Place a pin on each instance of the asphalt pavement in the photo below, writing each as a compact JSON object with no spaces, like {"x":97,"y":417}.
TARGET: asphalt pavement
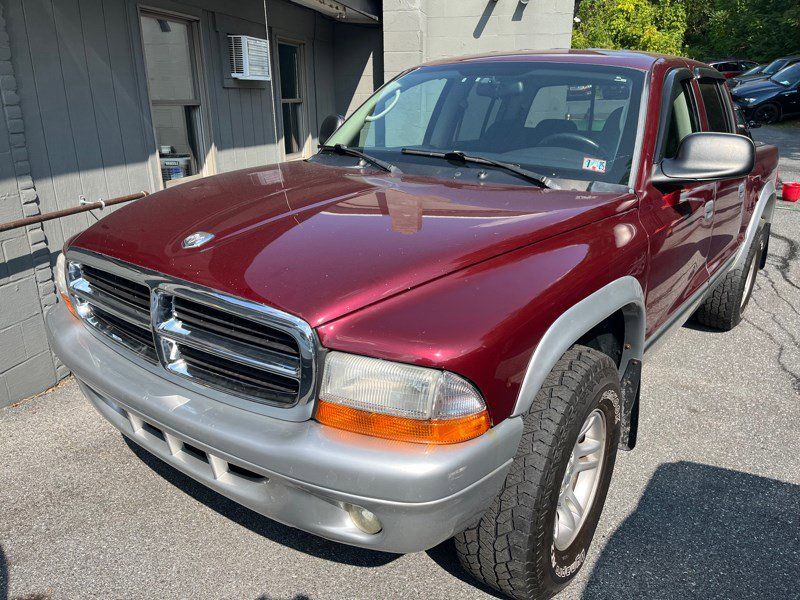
{"x":706,"y":506}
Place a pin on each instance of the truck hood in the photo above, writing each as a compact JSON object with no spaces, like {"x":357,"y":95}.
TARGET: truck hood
{"x":319,"y":241}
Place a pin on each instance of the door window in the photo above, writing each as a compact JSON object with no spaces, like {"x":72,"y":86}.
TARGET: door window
{"x":682,"y":118}
{"x":716,"y":110}
{"x":292,"y":102}
{"x":174,"y":98}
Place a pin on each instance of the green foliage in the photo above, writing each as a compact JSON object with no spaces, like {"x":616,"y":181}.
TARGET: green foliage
{"x":650,"y":25}
{"x":756,"y":29}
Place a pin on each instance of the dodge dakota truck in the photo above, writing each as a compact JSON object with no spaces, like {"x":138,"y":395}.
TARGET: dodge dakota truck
{"x":435,"y":327}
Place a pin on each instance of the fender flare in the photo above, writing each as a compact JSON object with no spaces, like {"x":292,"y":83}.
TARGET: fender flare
{"x":624,"y":294}
{"x":764,"y":207}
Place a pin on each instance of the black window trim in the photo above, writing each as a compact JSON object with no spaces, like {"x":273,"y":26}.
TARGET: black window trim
{"x":706,"y":75}
{"x":674,"y":77}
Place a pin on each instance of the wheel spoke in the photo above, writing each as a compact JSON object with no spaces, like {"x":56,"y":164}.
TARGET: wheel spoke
{"x":573,"y":500}
{"x":587,"y":447}
{"x":588,"y":465}
{"x":565,"y":517}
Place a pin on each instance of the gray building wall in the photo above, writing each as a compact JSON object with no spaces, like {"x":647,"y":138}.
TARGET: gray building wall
{"x":415,"y":31}
{"x":77,"y":122}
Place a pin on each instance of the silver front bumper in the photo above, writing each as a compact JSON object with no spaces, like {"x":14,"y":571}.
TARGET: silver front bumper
{"x":422,"y":494}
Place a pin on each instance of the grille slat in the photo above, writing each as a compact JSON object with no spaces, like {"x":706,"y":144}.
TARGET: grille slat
{"x":259,"y":383}
{"x":243,"y":330}
{"x":133,"y":294}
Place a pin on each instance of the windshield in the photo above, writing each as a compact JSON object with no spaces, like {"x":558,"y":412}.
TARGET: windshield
{"x":775,"y":66}
{"x":567,"y":121}
{"x":790,"y":76}
{"x":754,"y":71}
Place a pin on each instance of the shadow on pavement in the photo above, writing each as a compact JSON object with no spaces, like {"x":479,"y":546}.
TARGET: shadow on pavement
{"x":704,"y":532}
{"x":277,"y":532}
{"x":444,"y":555}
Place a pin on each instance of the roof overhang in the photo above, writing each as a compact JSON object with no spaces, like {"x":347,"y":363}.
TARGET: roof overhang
{"x":350,"y":11}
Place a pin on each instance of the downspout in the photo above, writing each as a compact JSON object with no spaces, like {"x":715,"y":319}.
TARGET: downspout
{"x":272,"y":86}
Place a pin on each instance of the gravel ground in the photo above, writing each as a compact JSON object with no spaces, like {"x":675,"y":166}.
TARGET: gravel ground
{"x":707,"y":505}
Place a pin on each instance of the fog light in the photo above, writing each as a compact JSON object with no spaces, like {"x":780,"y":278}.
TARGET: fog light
{"x":365,"y":520}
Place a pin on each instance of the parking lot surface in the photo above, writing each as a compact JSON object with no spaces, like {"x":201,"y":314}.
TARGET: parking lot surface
{"x":707,"y":505}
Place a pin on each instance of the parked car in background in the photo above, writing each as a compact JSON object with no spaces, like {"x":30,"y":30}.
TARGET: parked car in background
{"x":764,"y":71}
{"x":435,"y":327}
{"x":749,"y":74}
{"x":770,"y":100}
{"x":732,"y":67}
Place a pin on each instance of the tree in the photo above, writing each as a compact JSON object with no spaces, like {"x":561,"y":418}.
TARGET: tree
{"x":757,"y":29}
{"x":649,"y":25}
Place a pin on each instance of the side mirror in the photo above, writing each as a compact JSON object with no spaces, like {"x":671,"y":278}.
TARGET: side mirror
{"x":330,"y":124}
{"x":707,"y":156}
{"x":743,"y":130}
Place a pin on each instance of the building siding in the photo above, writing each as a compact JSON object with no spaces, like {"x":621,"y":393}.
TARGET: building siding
{"x":77,"y":123}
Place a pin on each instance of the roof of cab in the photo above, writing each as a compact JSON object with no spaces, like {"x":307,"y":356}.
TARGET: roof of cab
{"x":621,"y":58}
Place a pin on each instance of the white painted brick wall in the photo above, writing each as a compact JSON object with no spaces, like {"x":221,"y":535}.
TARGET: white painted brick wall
{"x":447,"y":28}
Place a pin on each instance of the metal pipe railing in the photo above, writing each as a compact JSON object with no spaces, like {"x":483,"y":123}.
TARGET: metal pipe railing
{"x":57,"y":214}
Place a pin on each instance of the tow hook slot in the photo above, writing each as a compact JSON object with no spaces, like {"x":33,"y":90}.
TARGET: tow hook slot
{"x":630,"y":386}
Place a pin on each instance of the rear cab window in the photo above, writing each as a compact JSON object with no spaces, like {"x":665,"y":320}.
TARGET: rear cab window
{"x":716,"y":108}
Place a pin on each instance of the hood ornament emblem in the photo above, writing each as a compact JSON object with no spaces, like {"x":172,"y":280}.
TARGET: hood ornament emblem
{"x":197,"y":239}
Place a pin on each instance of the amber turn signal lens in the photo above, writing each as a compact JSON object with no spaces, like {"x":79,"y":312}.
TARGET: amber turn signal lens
{"x":70,"y":306}
{"x":390,"y":427}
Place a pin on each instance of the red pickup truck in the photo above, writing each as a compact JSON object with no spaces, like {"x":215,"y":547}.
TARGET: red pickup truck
{"x":434,"y":327}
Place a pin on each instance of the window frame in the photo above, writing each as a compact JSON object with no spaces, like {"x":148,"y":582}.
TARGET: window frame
{"x":302,"y":100}
{"x":205,"y":160}
{"x":679,"y":76}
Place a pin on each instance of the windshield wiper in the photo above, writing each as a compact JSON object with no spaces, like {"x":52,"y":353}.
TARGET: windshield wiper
{"x":457,"y":156}
{"x":347,"y":151}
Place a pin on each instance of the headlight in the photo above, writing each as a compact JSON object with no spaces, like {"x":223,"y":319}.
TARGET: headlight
{"x":748,"y":100}
{"x":61,"y":282}
{"x":399,"y":401}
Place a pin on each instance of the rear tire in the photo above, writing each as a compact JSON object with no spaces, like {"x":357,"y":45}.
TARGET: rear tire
{"x":724,"y":307}
{"x":523,"y":546}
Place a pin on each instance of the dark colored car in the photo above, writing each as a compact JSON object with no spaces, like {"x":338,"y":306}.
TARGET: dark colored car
{"x":435,"y":327}
{"x":747,"y":75}
{"x":733,"y":67}
{"x":770,"y":100}
{"x":764,"y":71}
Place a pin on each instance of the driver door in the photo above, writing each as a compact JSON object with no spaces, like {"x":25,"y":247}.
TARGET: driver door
{"x":676,"y":221}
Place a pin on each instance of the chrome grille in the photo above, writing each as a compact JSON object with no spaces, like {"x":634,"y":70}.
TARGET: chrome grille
{"x":218,"y":341}
{"x":115,"y":306}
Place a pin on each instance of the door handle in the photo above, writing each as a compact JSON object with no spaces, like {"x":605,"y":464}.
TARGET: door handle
{"x":709,"y":210}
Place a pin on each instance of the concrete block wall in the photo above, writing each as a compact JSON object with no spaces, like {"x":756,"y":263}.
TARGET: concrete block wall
{"x":357,"y":64}
{"x":27,"y":365}
{"x":420,"y":30}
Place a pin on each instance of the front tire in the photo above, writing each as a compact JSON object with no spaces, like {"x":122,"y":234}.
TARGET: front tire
{"x":534,"y":538}
{"x":767,"y":114}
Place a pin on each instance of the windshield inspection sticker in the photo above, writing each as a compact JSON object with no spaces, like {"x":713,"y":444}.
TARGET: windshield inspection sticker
{"x":594,"y":164}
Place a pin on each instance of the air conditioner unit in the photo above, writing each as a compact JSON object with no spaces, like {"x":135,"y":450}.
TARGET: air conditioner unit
{"x":249,"y":58}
